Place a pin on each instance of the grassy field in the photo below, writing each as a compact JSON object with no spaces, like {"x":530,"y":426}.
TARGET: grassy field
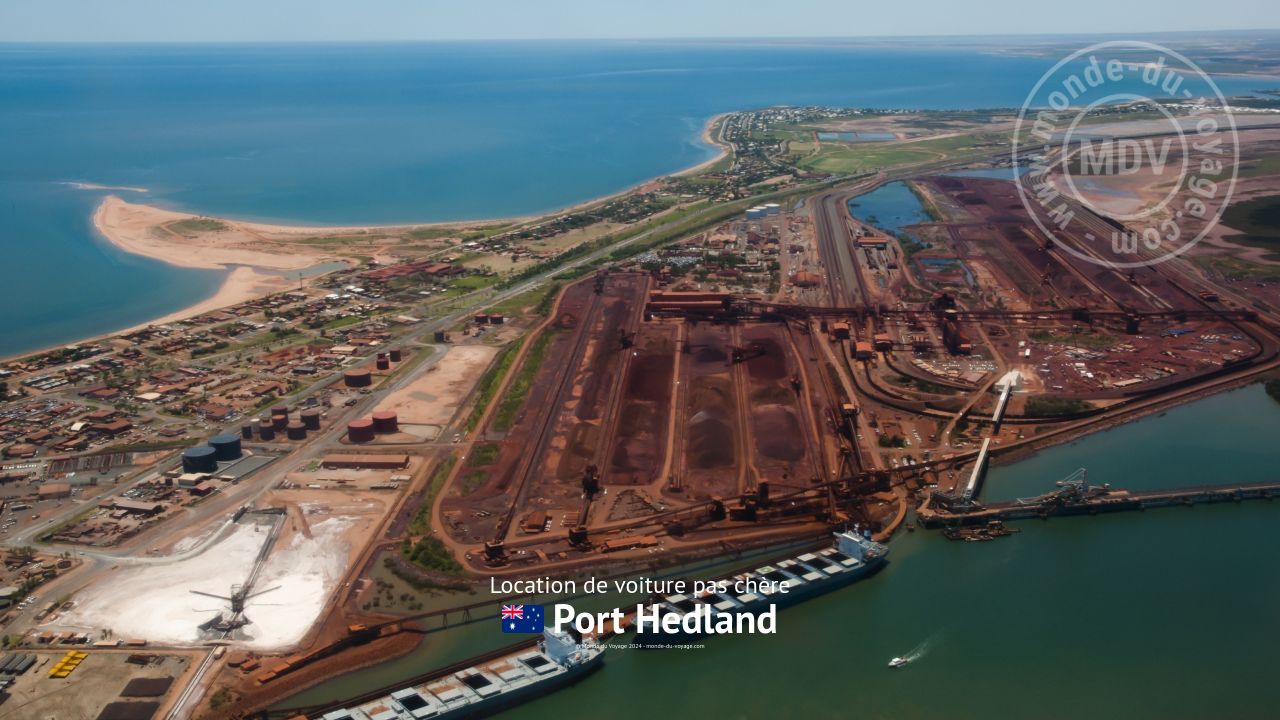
{"x":1259,"y":222}
{"x":850,"y":158}
{"x":1260,"y":166}
{"x":483,"y":454}
{"x":192,"y":226}
{"x":466,"y":284}
{"x":341,"y":239}
{"x":490,"y":381}
{"x":421,"y":522}
{"x":453,"y":231}
{"x":539,"y":299}
{"x":1230,"y":267}
{"x":343,"y":322}
{"x":1051,"y":406}
{"x":719,"y":166}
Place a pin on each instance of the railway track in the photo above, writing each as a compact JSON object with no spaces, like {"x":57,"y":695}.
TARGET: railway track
{"x":545,"y":423}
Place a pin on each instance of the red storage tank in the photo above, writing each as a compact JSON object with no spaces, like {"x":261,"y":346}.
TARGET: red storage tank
{"x":385,"y":421}
{"x":311,"y":419}
{"x":357,"y":378}
{"x":360,"y":431}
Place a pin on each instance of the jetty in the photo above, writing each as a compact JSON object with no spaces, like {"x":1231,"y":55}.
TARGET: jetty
{"x":1077,"y":497}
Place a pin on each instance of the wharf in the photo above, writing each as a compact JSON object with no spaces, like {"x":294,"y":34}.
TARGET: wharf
{"x":1099,"y":500}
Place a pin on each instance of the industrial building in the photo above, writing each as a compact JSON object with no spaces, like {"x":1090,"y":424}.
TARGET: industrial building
{"x":367,"y":462}
{"x":137,"y":507}
{"x":806,"y":279}
{"x":51,"y":491}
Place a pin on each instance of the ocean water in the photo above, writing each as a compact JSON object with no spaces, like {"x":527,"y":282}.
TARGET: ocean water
{"x":1164,"y":614}
{"x":382,"y":134}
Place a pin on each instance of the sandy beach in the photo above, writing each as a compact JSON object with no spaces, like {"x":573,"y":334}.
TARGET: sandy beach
{"x":141,"y":229}
{"x":711,"y":139}
{"x":242,"y":284}
{"x":247,"y":250}
{"x":250,"y":251}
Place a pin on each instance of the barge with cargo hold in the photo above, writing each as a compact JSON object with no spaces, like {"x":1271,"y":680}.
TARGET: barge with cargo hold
{"x":851,"y":557}
{"x":485,"y":688}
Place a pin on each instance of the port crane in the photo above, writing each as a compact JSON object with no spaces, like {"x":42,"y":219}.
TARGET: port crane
{"x":238,"y":598}
{"x":1074,"y":488}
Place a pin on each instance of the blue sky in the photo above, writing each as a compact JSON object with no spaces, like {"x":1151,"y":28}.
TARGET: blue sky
{"x":312,"y":20}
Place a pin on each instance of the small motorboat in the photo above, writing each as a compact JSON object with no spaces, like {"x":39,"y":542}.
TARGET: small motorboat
{"x":898,"y":662}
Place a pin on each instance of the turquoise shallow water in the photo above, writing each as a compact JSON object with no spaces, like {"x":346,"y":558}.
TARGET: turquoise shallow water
{"x":380,"y":134}
{"x":1164,"y":614}
{"x":890,"y":207}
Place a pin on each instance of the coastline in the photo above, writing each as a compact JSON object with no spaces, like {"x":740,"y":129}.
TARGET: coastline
{"x":712,"y":140}
{"x":131,"y":228}
{"x":127,"y":226}
{"x":250,"y":274}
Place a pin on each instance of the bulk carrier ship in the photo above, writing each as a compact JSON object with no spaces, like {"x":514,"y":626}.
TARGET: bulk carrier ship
{"x":487,"y":687}
{"x":850,"y":558}
{"x":560,"y":659}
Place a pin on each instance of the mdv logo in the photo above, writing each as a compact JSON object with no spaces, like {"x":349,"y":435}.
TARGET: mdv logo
{"x":1123,"y":157}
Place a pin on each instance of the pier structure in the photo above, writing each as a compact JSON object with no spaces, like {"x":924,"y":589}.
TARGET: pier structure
{"x":1006,"y":385}
{"x":975,"y":476}
{"x":1079,"y":498}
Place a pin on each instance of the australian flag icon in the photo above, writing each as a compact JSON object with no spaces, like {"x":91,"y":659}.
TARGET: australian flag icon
{"x":522,"y":618}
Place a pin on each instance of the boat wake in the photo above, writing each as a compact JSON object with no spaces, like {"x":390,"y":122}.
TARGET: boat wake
{"x":919,"y":651}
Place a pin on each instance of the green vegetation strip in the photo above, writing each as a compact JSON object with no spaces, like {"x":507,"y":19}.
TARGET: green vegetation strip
{"x":197,"y":225}
{"x":685,"y":221}
{"x":421,"y":522}
{"x":483,"y":454}
{"x":839,"y":158}
{"x":1259,"y":220}
{"x":429,"y":552}
{"x":1088,"y":340}
{"x":1051,"y":406}
{"x":1273,"y":388}
{"x":519,"y":387}
{"x":540,"y":298}
{"x":489,"y":383}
